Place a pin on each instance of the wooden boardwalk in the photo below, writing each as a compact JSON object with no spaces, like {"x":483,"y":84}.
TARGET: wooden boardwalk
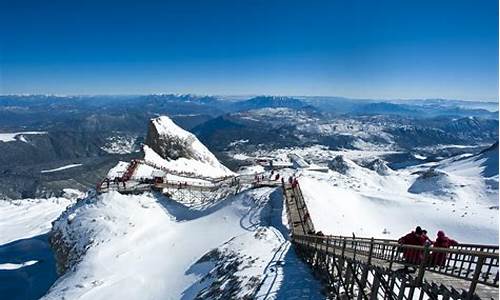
{"x":191,"y":188}
{"x":365,"y":268}
{"x":362,"y":268}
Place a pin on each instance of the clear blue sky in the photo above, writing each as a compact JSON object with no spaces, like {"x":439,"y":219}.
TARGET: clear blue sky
{"x":375,"y":49}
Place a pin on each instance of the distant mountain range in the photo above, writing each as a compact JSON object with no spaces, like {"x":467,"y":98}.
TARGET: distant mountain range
{"x":85,"y":129}
{"x":269,"y":102}
{"x":422,"y":111}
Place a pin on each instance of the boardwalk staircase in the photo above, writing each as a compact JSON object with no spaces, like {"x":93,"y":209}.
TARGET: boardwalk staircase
{"x":368,"y":268}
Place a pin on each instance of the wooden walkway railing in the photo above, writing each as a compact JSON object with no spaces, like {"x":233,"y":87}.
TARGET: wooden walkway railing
{"x":357,"y":267}
{"x":191,"y":188}
{"x":368,"y":268}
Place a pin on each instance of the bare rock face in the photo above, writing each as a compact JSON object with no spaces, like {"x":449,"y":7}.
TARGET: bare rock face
{"x":168,"y":146}
{"x":379,"y":166}
{"x":172,"y":142}
{"x":68,"y":238}
{"x":338,"y":164}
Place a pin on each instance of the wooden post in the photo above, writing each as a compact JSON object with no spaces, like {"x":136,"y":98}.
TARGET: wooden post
{"x":393,"y":251}
{"x":370,"y":252}
{"x":375,"y":286}
{"x":365,"y":268}
{"x":343,"y":247}
{"x":477,"y":273}
{"x":423,"y":265}
{"x":402,"y":290}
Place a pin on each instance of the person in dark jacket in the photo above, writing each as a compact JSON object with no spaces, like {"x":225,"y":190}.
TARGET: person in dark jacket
{"x":442,"y":241}
{"x":427,"y":240}
{"x":413,"y":256}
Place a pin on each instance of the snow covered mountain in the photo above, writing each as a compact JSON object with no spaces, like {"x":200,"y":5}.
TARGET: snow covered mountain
{"x":152,"y":245}
{"x":269,"y":101}
{"x":149,"y":247}
{"x":360,"y":194}
{"x":169,"y":146}
{"x":485,"y":163}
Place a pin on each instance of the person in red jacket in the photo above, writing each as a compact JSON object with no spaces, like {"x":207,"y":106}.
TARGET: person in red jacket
{"x":442,"y":241}
{"x":413,"y":256}
{"x":428,"y":241}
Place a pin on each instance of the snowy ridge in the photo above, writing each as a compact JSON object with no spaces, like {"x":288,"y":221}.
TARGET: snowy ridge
{"x":190,"y":167}
{"x":21,"y":219}
{"x":27,"y":218}
{"x":172,"y":147}
{"x":484,"y":163}
{"x":173,"y":247}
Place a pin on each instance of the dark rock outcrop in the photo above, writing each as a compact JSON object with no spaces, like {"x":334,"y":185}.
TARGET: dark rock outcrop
{"x":339,"y":164}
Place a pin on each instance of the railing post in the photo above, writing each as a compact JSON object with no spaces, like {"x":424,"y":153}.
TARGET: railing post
{"x":370,"y":252}
{"x":477,"y":273}
{"x":327,"y":241}
{"x":364,"y":275}
{"x":394,"y":250}
{"x":423,"y":265}
{"x":343,"y":247}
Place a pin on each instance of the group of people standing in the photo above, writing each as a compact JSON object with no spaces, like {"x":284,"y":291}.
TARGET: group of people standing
{"x":293,"y":181}
{"x":272,"y":176}
{"x":107,"y":181}
{"x":419,"y":237}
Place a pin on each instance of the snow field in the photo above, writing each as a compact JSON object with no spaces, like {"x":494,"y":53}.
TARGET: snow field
{"x":367,"y":205}
{"x":20,"y":219}
{"x":141,"y":247}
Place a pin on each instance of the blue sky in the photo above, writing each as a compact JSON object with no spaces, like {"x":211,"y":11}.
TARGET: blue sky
{"x":361,"y":49}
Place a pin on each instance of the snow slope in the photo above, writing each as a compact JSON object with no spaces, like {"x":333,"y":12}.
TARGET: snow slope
{"x":365,"y":203}
{"x":20,"y":219}
{"x":149,"y":247}
{"x":483,"y":164}
{"x":188,"y":166}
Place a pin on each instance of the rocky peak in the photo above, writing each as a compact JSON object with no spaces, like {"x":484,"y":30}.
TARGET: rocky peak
{"x":339,"y":164}
{"x":378,"y":165}
{"x":171,"y":142}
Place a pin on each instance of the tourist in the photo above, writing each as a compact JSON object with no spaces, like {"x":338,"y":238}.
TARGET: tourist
{"x":427,"y":240}
{"x":442,"y":241}
{"x":413,"y":256}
